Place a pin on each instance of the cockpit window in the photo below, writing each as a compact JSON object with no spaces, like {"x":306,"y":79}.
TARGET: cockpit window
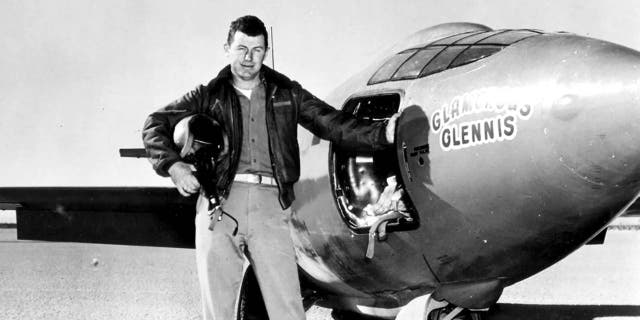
{"x":389,"y":68}
{"x":447,"y":53}
{"x":507,"y":38}
{"x":479,"y":37}
{"x":412,"y":67}
{"x":454,"y":38}
{"x":443,"y":60}
{"x":474,"y":53}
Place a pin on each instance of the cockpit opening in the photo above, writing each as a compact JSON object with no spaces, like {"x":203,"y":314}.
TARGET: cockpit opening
{"x":367,"y":185}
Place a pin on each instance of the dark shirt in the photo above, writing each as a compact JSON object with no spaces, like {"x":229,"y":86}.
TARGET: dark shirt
{"x":254,"y":155}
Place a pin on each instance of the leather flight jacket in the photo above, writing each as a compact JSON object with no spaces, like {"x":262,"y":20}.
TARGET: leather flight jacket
{"x":287,"y":105}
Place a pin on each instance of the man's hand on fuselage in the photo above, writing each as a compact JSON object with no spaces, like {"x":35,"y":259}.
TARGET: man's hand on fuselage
{"x":390,"y":131}
{"x":183,"y":178}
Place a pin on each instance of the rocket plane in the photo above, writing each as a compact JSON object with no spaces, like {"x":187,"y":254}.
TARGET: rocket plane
{"x":514,"y":148}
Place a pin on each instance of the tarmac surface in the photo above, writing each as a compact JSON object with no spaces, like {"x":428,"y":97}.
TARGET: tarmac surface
{"x":42,"y":280}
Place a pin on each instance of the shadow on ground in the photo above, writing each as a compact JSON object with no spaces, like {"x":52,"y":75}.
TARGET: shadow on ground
{"x":559,"y":312}
{"x":503,"y":311}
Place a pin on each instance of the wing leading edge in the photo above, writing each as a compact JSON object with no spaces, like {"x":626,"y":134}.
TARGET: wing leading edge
{"x":143,"y":216}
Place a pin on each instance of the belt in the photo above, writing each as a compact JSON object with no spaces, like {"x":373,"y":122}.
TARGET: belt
{"x":255,"y":178}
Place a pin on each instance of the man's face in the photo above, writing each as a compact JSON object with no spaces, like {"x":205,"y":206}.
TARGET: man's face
{"x":246,"y":54}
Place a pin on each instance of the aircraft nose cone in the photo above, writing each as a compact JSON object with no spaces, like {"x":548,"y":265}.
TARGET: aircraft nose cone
{"x":594,"y":117}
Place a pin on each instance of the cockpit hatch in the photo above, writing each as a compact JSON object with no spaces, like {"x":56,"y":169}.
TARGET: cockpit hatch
{"x":367,"y":184}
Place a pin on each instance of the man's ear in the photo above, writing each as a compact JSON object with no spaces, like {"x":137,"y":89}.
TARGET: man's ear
{"x":226,"y":47}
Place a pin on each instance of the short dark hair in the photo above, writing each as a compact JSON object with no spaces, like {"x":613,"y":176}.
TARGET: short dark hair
{"x":249,"y":25}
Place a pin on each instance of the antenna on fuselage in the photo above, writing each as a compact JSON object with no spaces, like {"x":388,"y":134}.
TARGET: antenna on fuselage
{"x":273,"y":59}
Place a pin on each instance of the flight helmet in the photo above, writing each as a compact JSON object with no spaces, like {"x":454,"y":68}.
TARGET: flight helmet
{"x":198,"y":133}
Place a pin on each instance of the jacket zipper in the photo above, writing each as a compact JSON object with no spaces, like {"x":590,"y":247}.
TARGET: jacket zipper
{"x":271,"y":155}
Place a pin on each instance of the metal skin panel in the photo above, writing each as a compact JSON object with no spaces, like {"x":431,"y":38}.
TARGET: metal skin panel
{"x":503,"y":208}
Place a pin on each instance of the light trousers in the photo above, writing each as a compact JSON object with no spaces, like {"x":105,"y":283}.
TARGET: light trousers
{"x":263,"y":240}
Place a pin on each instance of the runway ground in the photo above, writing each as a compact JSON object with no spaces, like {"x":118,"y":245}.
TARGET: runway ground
{"x":40,"y":280}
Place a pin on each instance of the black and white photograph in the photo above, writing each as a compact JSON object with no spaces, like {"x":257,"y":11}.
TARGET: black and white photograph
{"x":320,"y":160}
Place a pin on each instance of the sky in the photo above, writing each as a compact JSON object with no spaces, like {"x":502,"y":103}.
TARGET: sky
{"x":78,"y":78}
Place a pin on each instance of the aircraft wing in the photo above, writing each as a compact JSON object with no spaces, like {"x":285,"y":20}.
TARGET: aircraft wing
{"x":144,"y":216}
{"x":634,"y":210}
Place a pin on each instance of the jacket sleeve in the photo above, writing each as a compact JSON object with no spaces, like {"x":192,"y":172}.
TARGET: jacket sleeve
{"x":339,"y":127}
{"x":157,"y":133}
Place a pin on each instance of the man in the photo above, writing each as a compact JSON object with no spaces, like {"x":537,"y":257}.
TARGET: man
{"x":259,"y":109}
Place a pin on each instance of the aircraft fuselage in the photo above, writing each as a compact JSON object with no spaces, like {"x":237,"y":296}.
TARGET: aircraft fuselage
{"x":511,"y":162}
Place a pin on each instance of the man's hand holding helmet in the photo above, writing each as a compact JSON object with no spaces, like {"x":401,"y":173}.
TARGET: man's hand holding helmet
{"x":200,"y":140}
{"x":183,"y":178}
